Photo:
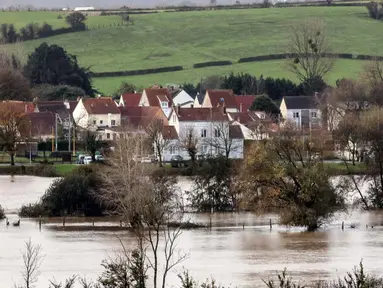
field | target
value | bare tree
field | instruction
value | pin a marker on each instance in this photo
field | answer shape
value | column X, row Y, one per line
column 147, row 202
column 32, row 259
column 221, row 139
column 14, row 127
column 154, row 131
column 189, row 141
column 308, row 47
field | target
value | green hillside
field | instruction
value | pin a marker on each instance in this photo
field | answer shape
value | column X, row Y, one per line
column 342, row 68
column 185, row 38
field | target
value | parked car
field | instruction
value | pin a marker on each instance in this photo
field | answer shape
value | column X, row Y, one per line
column 80, row 159
column 88, row 159
column 176, row 161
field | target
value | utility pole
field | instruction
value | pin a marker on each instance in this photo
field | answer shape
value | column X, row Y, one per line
column 30, row 144
column 69, row 136
column 56, row 132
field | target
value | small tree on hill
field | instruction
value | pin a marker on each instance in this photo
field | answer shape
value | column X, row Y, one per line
column 308, row 47
column 76, row 20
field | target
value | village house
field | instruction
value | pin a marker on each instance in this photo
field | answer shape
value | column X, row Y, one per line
column 244, row 102
column 303, row 111
column 216, row 98
column 130, row 100
column 140, row 117
column 157, row 97
column 98, row 114
column 210, row 128
column 183, row 99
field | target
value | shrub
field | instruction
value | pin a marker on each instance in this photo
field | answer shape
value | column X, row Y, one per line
column 76, row 194
column 212, row 63
column 37, row 170
column 76, row 20
column 31, row 210
column 375, row 10
column 60, row 17
column 2, row 213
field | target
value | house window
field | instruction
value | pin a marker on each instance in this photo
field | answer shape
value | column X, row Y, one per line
column 94, row 122
column 164, row 104
column 203, row 133
column 313, row 114
column 113, row 122
column 101, row 121
column 173, row 150
column 114, row 136
column 204, row 149
column 296, row 114
column 107, row 135
column 217, row 133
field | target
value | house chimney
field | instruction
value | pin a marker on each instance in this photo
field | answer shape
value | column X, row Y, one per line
column 26, row 108
column 78, row 98
column 240, row 107
column 177, row 109
column 192, row 105
column 66, row 103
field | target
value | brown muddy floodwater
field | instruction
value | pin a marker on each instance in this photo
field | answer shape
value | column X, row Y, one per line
column 228, row 253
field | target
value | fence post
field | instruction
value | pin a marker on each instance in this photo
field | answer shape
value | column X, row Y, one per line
column 271, row 225
column 40, row 222
column 342, row 225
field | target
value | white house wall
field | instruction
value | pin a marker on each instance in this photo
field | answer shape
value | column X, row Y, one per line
column 80, row 115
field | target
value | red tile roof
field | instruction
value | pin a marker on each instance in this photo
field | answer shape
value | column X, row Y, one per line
column 131, row 99
column 102, row 105
column 201, row 114
column 153, row 95
column 243, row 117
column 141, row 116
column 244, row 102
column 169, row 133
column 235, row 132
column 216, row 97
column 18, row 106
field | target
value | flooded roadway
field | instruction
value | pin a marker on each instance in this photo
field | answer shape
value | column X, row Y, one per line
column 229, row 253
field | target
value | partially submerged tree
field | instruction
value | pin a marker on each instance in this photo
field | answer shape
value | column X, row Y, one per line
column 147, row 202
column 309, row 52
column 286, row 175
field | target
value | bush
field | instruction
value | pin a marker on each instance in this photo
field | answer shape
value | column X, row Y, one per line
column 263, row 58
column 31, row 210
column 76, row 194
column 212, row 63
column 375, row 10
column 76, row 21
column 137, row 72
column 37, row 170
column 2, row 213
column 60, row 17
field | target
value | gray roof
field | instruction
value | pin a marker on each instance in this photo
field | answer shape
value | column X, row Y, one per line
column 301, row 102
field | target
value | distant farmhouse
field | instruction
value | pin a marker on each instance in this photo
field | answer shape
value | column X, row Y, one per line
column 84, row 9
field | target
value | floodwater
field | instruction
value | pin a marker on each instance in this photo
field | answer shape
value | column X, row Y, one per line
column 229, row 253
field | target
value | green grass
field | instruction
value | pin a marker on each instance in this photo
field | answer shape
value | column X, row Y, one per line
column 63, row 169
column 342, row 169
column 20, row 19
column 185, row 38
column 342, row 68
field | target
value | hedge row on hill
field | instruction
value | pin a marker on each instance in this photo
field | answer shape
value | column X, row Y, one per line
column 224, row 63
column 212, row 63
column 137, row 72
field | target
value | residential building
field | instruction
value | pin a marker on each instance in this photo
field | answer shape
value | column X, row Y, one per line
column 42, row 125
column 183, row 99
column 130, row 100
column 171, row 139
column 216, row 98
column 198, row 100
column 139, row 117
column 98, row 114
column 157, row 97
column 244, row 102
column 255, row 125
column 210, row 128
column 303, row 111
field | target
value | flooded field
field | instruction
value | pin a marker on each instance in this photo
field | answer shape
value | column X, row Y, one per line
column 229, row 253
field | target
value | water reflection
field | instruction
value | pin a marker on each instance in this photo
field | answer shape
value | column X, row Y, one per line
column 231, row 254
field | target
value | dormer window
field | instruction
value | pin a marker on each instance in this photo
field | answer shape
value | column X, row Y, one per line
column 164, row 104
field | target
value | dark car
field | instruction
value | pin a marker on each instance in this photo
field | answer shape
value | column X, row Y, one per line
column 176, row 161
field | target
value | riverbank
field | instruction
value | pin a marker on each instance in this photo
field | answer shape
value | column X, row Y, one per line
column 41, row 170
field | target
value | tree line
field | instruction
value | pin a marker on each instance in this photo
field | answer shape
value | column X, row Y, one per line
column 34, row 31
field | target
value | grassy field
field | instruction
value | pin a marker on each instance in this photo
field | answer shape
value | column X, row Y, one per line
column 185, row 38
column 63, row 169
column 342, row 68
